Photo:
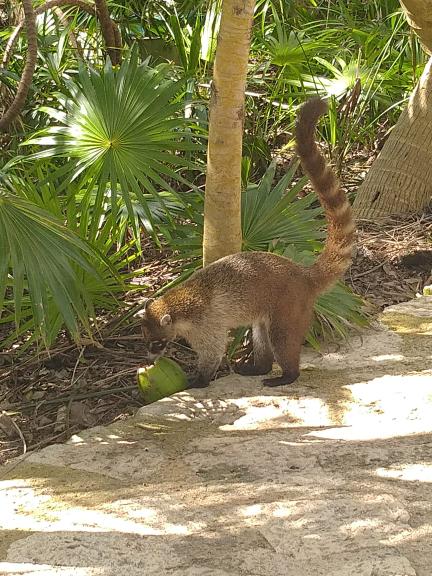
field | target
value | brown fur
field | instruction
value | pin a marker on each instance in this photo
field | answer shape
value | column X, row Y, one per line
column 269, row 292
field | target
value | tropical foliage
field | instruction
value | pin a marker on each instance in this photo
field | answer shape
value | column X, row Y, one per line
column 104, row 156
column 121, row 134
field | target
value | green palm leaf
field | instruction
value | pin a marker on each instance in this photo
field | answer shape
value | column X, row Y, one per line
column 124, row 130
column 41, row 269
column 272, row 216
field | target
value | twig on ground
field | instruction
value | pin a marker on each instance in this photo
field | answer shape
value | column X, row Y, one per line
column 65, row 398
column 369, row 271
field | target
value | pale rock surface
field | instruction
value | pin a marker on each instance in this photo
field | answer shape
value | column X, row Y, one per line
column 331, row 476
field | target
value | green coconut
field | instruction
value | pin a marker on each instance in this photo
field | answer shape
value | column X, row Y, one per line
column 161, row 379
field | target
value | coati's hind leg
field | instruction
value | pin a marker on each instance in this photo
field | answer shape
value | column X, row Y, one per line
column 210, row 350
column 262, row 353
column 287, row 336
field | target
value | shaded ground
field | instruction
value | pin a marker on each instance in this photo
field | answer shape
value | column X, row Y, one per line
column 57, row 393
column 331, row 476
column 393, row 260
column 48, row 398
column 51, row 397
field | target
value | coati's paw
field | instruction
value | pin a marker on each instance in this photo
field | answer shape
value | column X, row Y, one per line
column 248, row 368
column 287, row 378
column 198, row 382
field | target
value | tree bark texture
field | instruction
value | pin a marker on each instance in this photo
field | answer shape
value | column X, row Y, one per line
column 110, row 37
column 419, row 16
column 400, row 179
column 30, row 63
column 222, row 208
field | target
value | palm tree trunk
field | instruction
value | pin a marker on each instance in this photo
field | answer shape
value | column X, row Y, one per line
column 27, row 75
column 222, row 209
column 400, row 179
column 419, row 16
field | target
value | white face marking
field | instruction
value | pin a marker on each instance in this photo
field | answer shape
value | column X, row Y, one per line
column 156, row 348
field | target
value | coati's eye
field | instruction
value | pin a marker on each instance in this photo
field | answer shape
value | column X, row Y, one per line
column 157, row 346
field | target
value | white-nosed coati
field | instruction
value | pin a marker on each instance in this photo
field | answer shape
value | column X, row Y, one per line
column 266, row 291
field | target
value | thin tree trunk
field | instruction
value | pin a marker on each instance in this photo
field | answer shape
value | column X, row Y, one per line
column 72, row 38
column 108, row 33
column 222, row 209
column 27, row 75
column 400, row 179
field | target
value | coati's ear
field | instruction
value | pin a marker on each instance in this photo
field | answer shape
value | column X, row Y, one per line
column 146, row 302
column 165, row 320
column 142, row 313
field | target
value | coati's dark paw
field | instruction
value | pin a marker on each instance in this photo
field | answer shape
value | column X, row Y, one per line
column 251, row 369
column 287, row 378
column 198, row 382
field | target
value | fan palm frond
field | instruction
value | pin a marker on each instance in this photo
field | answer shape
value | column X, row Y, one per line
column 124, row 130
column 40, row 268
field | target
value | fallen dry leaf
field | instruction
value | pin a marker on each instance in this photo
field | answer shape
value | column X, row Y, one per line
column 8, row 427
column 80, row 414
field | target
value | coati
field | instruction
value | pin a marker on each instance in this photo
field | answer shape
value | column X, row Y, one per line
column 269, row 292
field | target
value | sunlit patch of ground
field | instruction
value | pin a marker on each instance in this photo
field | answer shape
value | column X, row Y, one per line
column 331, row 476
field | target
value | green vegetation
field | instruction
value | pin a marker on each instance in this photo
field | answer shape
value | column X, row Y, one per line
column 102, row 157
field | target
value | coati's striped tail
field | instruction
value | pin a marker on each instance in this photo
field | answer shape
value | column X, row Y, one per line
column 336, row 256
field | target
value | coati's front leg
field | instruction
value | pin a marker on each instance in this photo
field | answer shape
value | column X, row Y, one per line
column 287, row 336
column 210, row 351
column 262, row 354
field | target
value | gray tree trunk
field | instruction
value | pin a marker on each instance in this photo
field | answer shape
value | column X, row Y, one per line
column 400, row 179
